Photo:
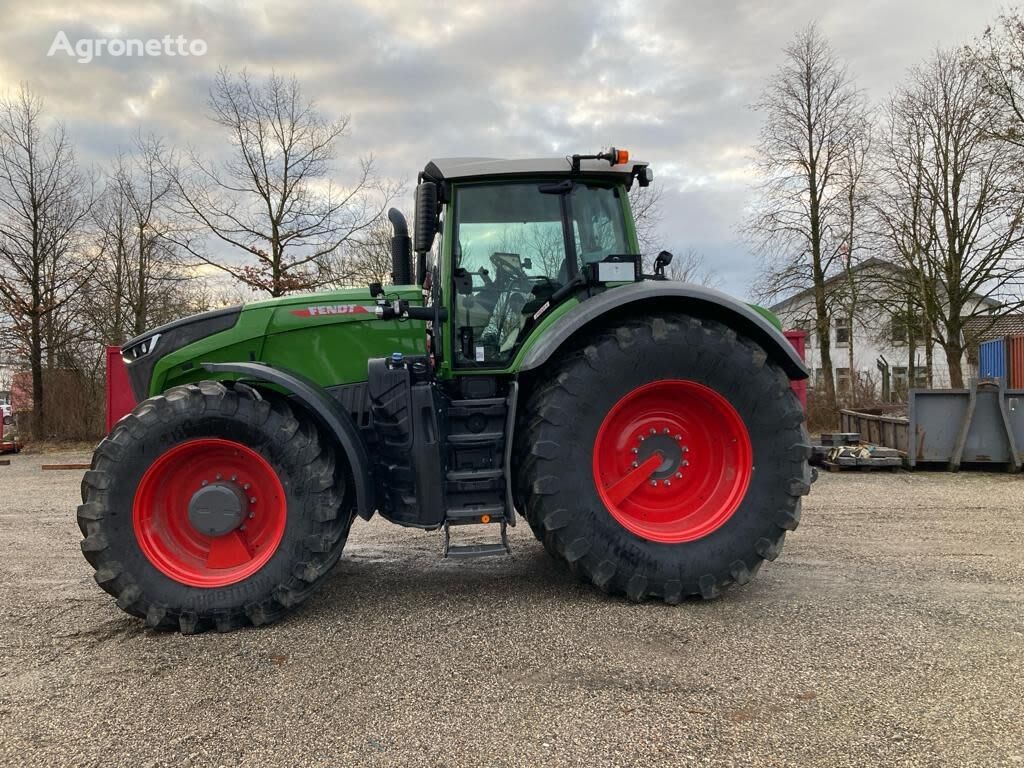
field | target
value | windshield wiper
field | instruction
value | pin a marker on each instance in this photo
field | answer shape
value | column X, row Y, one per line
column 557, row 187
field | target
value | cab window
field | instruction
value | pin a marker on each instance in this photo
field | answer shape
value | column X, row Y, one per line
column 598, row 223
column 509, row 242
column 510, row 255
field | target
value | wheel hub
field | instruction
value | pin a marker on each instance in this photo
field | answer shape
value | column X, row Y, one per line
column 209, row 512
column 217, row 509
column 669, row 449
column 672, row 461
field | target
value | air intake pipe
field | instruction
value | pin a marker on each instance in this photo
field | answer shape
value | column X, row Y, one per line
column 401, row 249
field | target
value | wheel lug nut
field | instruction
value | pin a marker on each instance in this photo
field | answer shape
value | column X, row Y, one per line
column 246, row 487
column 252, row 500
column 641, row 438
column 668, row 482
column 635, row 465
column 654, row 482
column 636, row 450
column 654, row 431
column 219, row 476
column 679, row 475
column 679, row 437
column 685, row 463
column 205, row 483
column 252, row 515
column 665, row 431
column 234, row 478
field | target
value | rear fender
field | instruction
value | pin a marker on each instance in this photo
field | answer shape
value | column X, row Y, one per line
column 328, row 412
column 650, row 297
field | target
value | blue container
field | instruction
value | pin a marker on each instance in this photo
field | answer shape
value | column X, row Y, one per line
column 992, row 359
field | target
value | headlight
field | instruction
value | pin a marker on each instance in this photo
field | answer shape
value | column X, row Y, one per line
column 143, row 348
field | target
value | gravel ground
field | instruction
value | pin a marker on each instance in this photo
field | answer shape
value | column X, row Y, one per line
column 889, row 632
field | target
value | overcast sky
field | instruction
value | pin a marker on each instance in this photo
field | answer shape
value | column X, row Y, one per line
column 670, row 81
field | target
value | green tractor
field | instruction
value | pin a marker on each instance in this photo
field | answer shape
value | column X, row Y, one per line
column 646, row 429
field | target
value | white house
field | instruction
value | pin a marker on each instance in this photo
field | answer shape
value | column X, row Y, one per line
column 877, row 337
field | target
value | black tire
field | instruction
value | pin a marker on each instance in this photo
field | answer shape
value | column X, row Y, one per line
column 317, row 523
column 559, row 425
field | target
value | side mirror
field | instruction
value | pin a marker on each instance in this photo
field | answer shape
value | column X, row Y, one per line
column 426, row 216
column 661, row 261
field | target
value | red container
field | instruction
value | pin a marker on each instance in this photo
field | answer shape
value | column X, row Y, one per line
column 798, row 339
column 1015, row 361
column 120, row 399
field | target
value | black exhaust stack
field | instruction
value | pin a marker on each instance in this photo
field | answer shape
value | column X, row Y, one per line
column 401, row 249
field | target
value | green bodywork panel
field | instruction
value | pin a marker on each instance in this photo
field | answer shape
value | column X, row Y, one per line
column 768, row 315
column 327, row 337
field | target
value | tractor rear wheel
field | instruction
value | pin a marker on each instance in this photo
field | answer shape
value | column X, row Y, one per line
column 211, row 507
column 663, row 457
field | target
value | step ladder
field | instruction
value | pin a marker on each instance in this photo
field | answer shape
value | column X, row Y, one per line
column 465, row 551
column 476, row 488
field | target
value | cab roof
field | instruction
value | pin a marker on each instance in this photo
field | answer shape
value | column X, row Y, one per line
column 462, row 168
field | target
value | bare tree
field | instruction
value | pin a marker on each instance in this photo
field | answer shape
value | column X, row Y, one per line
column 812, row 112
column 998, row 57
column 969, row 256
column 854, row 169
column 903, row 214
column 141, row 277
column 44, row 204
column 367, row 258
column 645, row 203
column 156, row 267
column 273, row 199
column 690, row 266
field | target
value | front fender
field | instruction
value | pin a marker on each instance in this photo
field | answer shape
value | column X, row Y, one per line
column 327, row 411
column 651, row 296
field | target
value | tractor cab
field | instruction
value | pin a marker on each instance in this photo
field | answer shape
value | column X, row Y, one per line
column 515, row 239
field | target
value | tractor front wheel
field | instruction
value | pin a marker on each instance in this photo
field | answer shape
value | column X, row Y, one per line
column 211, row 507
column 663, row 457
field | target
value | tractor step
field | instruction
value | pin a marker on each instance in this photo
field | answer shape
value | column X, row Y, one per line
column 463, row 515
column 465, row 551
column 470, row 475
column 476, row 438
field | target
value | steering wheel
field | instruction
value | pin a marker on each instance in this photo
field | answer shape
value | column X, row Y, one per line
column 507, row 295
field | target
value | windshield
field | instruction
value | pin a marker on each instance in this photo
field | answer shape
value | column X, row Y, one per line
column 511, row 253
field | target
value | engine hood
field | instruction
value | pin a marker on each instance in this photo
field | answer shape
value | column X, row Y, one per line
column 142, row 353
column 307, row 333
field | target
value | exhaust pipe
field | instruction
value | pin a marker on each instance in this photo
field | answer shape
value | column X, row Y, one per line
column 401, row 249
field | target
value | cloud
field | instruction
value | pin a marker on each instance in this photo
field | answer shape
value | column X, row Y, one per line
column 671, row 81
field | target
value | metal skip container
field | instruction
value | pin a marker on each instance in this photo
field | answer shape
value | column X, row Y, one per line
column 983, row 424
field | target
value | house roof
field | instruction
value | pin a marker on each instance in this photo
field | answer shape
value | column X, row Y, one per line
column 872, row 263
column 978, row 329
column 865, row 266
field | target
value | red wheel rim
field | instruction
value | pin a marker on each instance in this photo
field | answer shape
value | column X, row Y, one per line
column 672, row 461
column 166, row 534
